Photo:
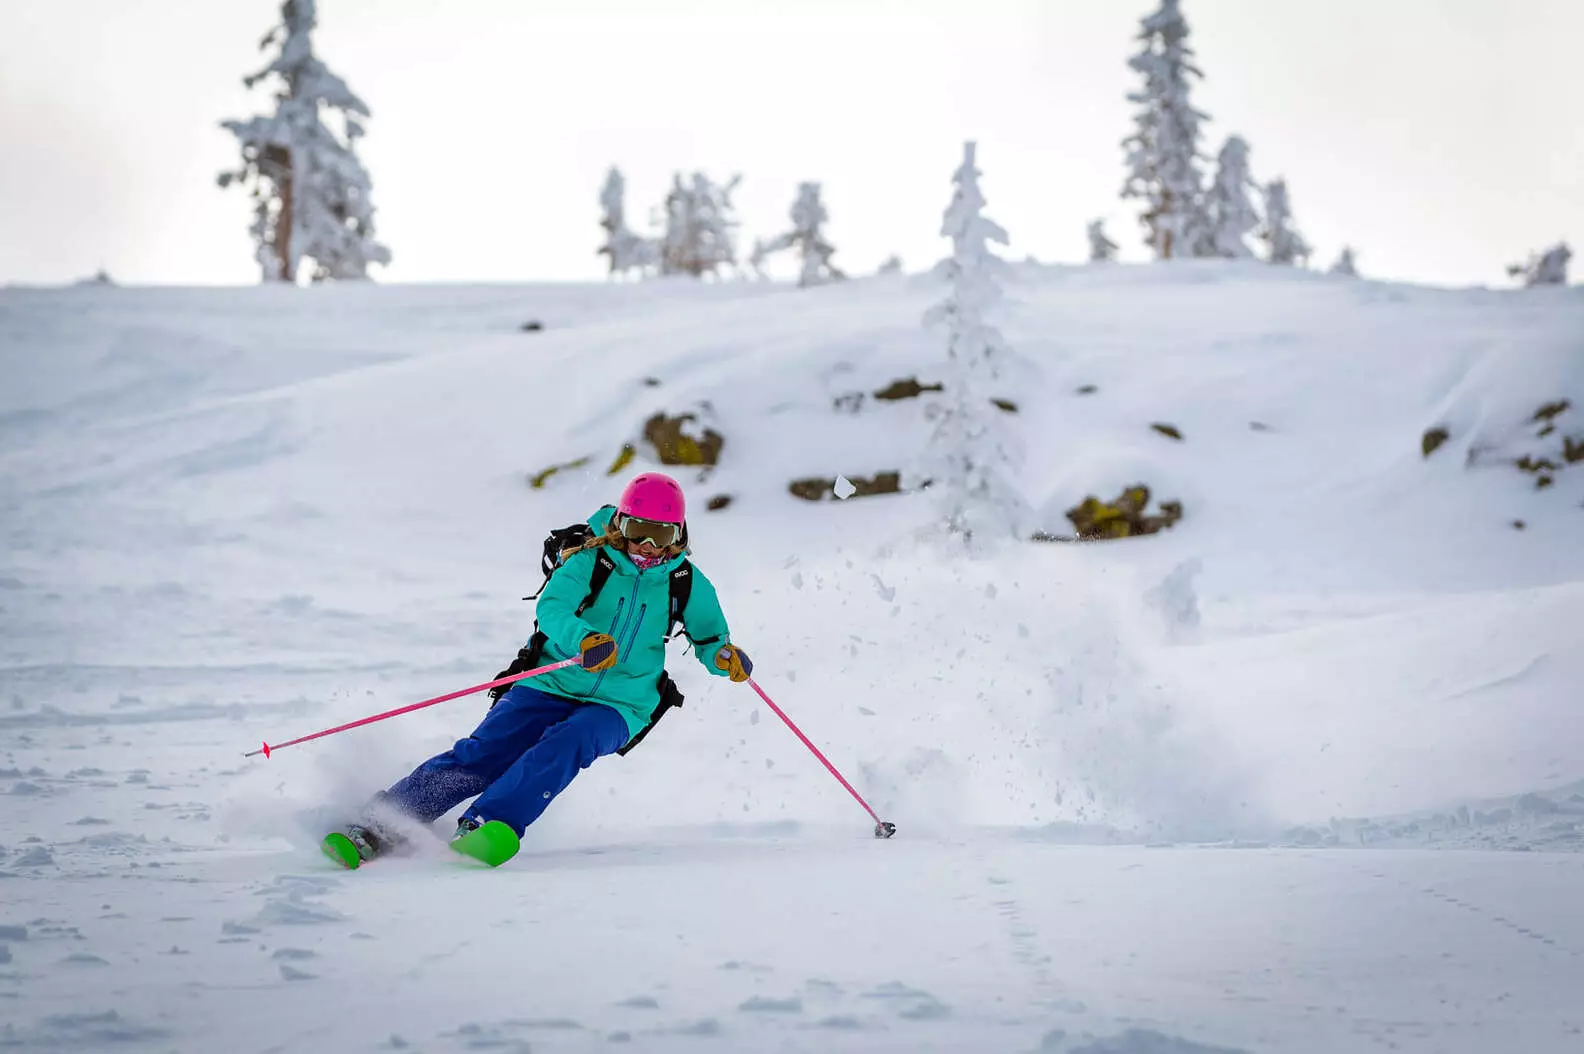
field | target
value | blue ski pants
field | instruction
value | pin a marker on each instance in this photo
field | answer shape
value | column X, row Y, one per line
column 526, row 751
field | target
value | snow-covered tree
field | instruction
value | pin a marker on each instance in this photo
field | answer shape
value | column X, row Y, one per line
column 1163, row 151
column 1346, row 264
column 891, row 265
column 700, row 227
column 807, row 236
column 1283, row 243
column 1547, row 268
column 311, row 192
column 1229, row 208
column 971, row 456
column 1101, row 248
column 626, row 250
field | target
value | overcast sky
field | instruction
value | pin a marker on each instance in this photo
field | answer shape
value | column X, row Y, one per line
column 1442, row 138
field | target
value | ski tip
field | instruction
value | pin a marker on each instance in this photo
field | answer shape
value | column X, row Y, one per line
column 339, row 848
column 883, row 829
column 493, row 843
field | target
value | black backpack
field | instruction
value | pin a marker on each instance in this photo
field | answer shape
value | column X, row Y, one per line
column 560, row 541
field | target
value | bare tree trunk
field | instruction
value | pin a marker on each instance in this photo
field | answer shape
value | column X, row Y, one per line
column 283, row 224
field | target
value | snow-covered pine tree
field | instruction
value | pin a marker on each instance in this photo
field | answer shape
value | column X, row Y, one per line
column 700, row 227
column 971, row 455
column 311, row 192
column 1547, row 268
column 1163, row 151
column 626, row 250
column 807, row 236
column 1283, row 244
column 1101, row 248
column 1346, row 264
column 1229, row 209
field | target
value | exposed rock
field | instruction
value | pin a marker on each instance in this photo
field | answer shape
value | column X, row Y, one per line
column 906, row 388
column 718, row 502
column 651, row 382
column 1170, row 431
column 1519, row 525
column 848, row 402
column 1432, row 439
column 533, row 325
column 1572, row 449
column 1552, row 410
column 1260, row 426
column 682, row 440
column 1087, row 389
column 1533, row 465
column 1123, row 517
column 538, row 480
column 623, row 459
column 1006, row 405
column 815, row 489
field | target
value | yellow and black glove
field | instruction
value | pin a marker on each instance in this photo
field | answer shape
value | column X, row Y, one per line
column 597, row 652
column 735, row 662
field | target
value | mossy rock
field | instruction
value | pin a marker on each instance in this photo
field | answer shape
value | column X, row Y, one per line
column 819, row 489
column 1169, row 431
column 539, row 479
column 668, row 435
column 1534, row 465
column 1123, row 517
column 1552, row 410
column 1432, row 440
column 906, row 388
column 623, row 459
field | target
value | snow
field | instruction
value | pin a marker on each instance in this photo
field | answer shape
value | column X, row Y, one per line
column 1302, row 773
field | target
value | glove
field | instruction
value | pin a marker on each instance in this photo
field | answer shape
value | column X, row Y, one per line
column 597, row 652
column 735, row 662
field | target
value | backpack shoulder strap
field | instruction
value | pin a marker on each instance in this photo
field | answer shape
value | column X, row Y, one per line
column 681, row 592
column 603, row 566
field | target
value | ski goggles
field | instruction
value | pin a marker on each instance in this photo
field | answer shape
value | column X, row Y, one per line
column 661, row 535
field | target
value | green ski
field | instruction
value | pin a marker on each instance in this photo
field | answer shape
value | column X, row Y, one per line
column 339, row 847
column 494, row 843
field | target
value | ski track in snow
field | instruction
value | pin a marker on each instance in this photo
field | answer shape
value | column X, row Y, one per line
column 1268, row 782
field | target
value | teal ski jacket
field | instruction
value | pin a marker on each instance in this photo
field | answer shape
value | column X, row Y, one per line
column 634, row 608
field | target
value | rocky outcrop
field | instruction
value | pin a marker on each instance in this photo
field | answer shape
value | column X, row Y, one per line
column 1123, row 517
column 819, row 489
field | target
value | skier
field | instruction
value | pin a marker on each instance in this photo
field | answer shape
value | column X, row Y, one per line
column 607, row 604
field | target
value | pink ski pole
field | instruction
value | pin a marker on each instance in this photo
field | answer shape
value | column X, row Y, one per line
column 882, row 828
column 267, row 749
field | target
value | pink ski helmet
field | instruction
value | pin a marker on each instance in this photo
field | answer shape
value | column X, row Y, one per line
column 653, row 496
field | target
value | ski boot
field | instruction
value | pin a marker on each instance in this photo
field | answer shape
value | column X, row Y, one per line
column 358, row 843
column 491, row 842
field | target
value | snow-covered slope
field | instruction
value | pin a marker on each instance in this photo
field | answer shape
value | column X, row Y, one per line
column 239, row 515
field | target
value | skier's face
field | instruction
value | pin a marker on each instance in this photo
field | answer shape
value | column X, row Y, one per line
column 646, row 549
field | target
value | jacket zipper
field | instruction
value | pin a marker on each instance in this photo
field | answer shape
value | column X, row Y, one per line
column 637, row 581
